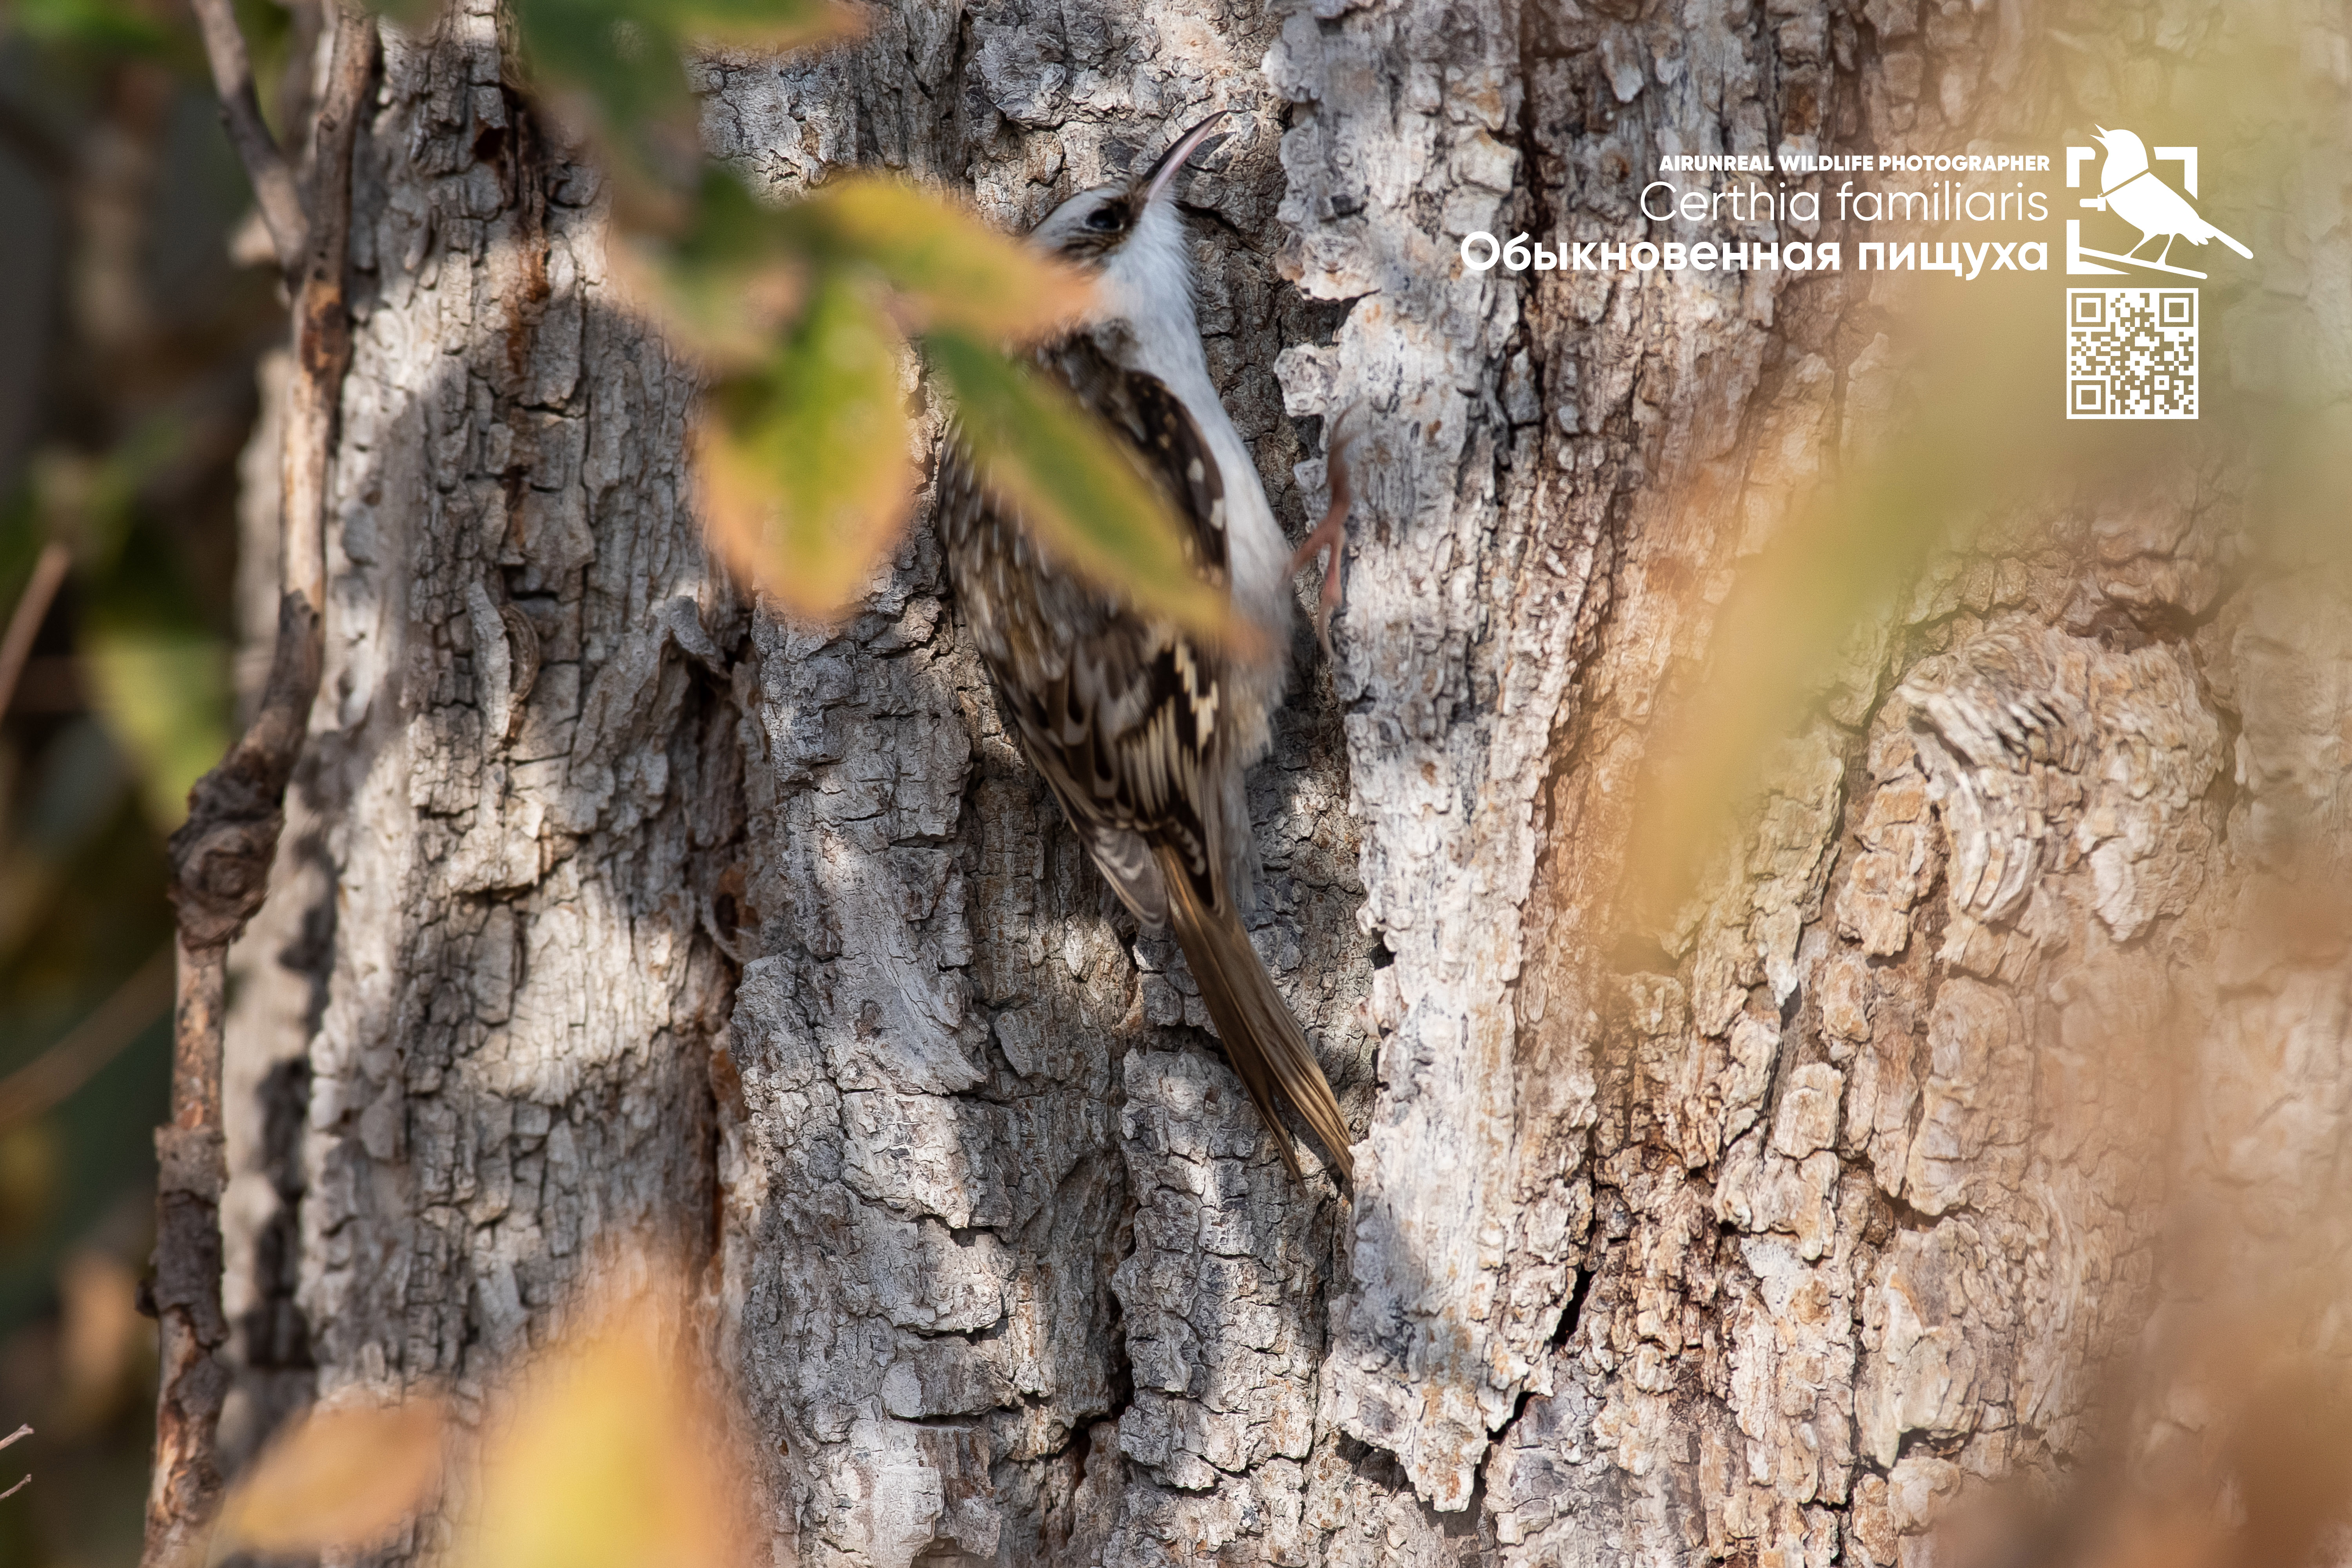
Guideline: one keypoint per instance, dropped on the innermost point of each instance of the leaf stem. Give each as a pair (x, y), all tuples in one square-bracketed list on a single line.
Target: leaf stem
[(20, 1486)]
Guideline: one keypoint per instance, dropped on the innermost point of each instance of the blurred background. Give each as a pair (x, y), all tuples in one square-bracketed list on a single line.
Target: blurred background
[(127, 345)]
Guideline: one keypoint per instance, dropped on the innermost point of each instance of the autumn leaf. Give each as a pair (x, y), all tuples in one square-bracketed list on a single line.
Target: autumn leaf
[(612, 1454), (608, 1449), (805, 471), (725, 286), (1090, 504), (954, 268), (337, 1480)]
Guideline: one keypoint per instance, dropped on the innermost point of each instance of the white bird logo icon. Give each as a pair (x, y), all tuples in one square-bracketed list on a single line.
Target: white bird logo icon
[(2132, 191)]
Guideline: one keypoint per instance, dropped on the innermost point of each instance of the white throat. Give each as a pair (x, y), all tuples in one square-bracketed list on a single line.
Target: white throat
[(1147, 289)]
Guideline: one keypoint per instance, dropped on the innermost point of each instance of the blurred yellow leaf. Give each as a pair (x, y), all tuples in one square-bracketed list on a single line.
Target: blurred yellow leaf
[(1091, 504), (805, 472), (1825, 546), (956, 270), (613, 1455), (729, 319), (342, 1478), (101, 1337), (163, 695), (724, 286)]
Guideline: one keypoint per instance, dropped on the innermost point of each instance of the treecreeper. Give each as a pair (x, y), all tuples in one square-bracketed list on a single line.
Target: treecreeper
[(1144, 730)]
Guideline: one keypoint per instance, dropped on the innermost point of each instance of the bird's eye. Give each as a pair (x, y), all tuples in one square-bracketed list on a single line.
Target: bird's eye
[(1108, 217)]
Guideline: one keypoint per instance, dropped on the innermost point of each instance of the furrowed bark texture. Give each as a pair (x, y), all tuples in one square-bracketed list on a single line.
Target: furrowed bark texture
[(1747, 1235), (500, 978)]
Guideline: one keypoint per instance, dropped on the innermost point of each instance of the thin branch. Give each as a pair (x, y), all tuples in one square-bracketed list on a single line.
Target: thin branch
[(20, 1486), (32, 609), (265, 165), (89, 1045), (221, 857)]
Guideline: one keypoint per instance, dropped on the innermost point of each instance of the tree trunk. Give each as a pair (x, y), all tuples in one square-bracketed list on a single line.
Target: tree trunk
[(1744, 1232)]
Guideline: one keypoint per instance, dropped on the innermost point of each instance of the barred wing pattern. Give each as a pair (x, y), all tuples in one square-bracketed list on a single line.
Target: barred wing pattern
[(1119, 711)]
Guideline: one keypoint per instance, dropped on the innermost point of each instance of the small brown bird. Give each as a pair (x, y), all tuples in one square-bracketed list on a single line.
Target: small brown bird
[(1144, 732)]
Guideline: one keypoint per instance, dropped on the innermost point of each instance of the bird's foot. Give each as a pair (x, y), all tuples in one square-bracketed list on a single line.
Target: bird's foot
[(1331, 534)]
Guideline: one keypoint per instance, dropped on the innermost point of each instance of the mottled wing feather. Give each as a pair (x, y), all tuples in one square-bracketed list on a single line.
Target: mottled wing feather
[(1118, 711), (1164, 433)]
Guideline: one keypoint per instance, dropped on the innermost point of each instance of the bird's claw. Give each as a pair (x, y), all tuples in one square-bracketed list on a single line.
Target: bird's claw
[(1331, 534)]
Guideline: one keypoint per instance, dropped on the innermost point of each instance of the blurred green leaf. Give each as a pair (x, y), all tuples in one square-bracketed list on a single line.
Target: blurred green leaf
[(164, 695), (806, 470), (617, 70), (956, 270), (1092, 505), (624, 56), (725, 285), (727, 280), (99, 27)]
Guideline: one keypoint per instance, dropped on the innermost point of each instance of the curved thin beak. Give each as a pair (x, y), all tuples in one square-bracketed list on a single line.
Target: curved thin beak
[(1179, 154)]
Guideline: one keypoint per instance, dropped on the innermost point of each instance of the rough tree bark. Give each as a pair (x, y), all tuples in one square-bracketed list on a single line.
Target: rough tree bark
[(609, 902)]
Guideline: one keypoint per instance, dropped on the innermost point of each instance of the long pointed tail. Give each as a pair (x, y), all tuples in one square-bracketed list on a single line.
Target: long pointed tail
[(2233, 244), (1263, 1042)]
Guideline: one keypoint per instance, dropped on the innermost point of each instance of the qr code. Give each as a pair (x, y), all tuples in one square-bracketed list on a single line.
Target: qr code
[(2131, 353)]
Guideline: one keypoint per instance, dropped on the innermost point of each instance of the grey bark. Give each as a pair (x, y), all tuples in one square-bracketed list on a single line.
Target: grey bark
[(1752, 1235)]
